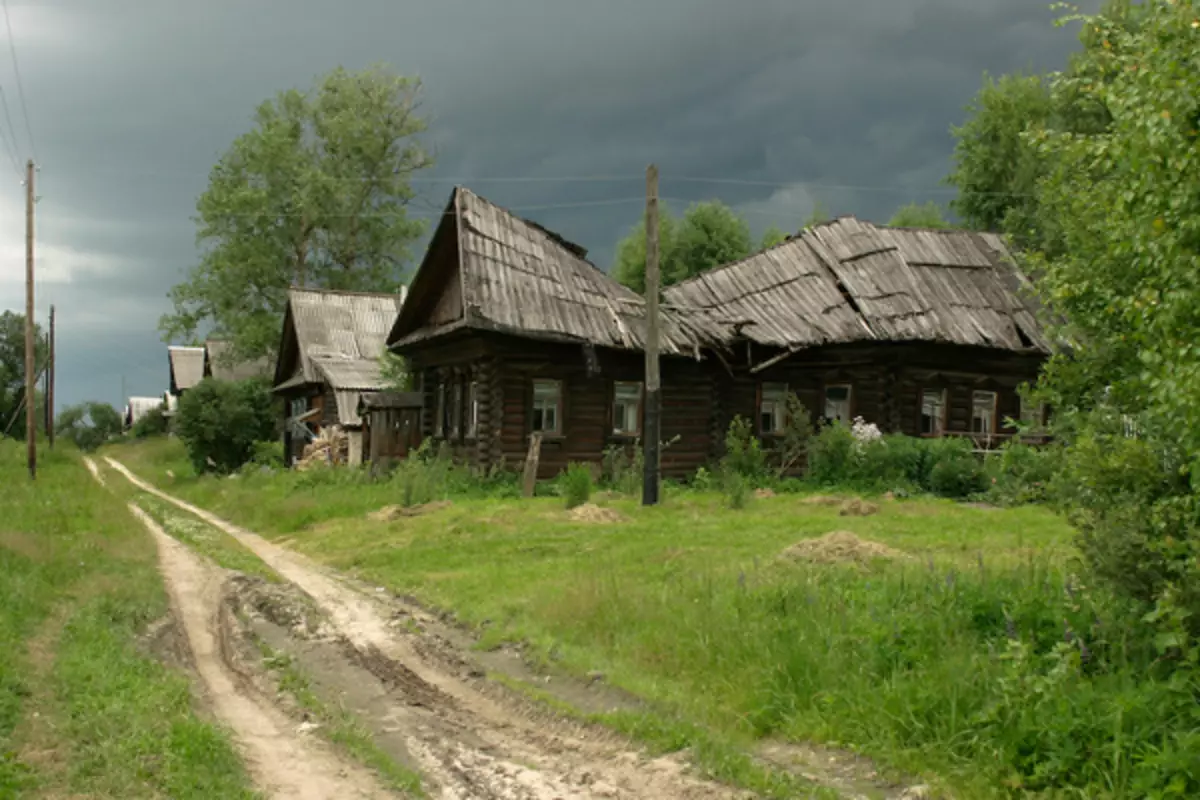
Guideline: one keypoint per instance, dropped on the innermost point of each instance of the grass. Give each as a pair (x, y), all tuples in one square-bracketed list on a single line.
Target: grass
[(84, 708), (338, 725), (951, 665)]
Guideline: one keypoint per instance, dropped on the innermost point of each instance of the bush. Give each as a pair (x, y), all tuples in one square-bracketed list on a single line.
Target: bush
[(1019, 474), (831, 456), (743, 452), (576, 485), (219, 423), (268, 454), (736, 488), (89, 425), (154, 423), (955, 470), (621, 468)]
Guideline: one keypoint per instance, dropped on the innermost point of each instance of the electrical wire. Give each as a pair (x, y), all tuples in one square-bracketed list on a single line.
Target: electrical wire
[(12, 47)]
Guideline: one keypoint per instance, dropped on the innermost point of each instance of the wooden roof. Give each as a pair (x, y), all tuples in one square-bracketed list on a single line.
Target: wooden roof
[(217, 363), (517, 277), (850, 280), (187, 367)]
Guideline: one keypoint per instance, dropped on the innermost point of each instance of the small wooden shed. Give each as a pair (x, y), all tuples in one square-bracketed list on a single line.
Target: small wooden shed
[(391, 425)]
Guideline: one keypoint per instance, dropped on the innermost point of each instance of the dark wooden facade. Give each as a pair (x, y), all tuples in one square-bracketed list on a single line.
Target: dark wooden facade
[(392, 425)]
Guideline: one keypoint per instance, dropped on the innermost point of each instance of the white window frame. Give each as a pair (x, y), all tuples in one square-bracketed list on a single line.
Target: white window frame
[(439, 410), (551, 399), (849, 401), (772, 403), (472, 409), (620, 405), (456, 410), (939, 426), (989, 415)]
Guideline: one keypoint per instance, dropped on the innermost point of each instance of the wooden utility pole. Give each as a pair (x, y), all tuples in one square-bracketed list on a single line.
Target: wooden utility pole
[(50, 385), (650, 436), (30, 342)]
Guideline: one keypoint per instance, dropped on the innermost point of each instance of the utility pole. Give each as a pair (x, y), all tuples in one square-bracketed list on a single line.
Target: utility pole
[(30, 342), (651, 435), (50, 385)]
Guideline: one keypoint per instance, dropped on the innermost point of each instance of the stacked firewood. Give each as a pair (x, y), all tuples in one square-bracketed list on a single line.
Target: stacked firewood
[(330, 447)]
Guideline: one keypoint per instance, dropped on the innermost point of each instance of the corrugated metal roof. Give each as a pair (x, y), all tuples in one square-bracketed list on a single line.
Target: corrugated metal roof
[(849, 280), (519, 278), (187, 367), (217, 351)]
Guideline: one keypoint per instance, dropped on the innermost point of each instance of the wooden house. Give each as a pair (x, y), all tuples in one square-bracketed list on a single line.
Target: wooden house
[(391, 425), (510, 330), (922, 332), (187, 368), (328, 357), (220, 365)]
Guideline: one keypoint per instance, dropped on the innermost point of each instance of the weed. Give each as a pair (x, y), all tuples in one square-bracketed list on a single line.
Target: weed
[(576, 485)]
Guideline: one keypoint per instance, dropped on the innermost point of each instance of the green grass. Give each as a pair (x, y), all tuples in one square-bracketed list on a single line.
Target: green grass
[(84, 709), (949, 665)]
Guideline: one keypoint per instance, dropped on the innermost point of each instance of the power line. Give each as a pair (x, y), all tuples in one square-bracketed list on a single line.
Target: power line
[(12, 47)]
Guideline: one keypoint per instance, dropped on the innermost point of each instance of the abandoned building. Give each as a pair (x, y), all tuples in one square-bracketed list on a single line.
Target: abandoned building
[(508, 330), (329, 355)]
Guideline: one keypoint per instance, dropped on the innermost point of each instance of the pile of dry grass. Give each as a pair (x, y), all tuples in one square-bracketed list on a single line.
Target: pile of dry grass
[(858, 508), (590, 512), (841, 547)]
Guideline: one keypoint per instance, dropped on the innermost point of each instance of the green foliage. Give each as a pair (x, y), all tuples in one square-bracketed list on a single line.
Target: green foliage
[(914, 215), (268, 454), (622, 467), (744, 455), (1020, 474), (12, 372), (792, 445), (831, 458), (576, 485), (88, 425), (819, 215), (736, 488), (315, 194), (709, 235), (395, 372), (956, 472), (771, 237), (155, 423), (220, 423)]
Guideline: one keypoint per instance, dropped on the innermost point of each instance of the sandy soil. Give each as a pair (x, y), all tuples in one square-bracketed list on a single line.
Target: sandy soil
[(470, 740)]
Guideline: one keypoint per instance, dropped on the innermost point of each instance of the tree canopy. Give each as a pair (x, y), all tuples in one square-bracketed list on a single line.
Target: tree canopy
[(12, 371), (919, 215), (88, 425), (315, 194)]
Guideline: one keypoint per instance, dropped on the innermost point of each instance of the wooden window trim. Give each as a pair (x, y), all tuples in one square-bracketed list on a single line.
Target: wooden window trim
[(456, 411), (641, 411), (471, 426), (850, 399), (759, 409), (560, 410), (995, 412), (439, 410), (945, 393)]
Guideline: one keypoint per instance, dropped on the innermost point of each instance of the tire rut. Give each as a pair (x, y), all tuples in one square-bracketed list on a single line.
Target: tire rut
[(470, 742)]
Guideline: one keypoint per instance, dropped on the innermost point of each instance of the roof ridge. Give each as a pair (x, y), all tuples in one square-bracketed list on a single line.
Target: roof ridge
[(344, 292)]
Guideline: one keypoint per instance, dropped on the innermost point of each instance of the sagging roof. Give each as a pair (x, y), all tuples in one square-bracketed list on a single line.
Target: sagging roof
[(849, 280), (187, 367), (217, 366), (517, 277), (339, 337)]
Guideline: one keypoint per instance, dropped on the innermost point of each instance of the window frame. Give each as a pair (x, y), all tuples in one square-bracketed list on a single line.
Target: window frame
[(558, 407), (779, 414), (943, 418), (849, 387), (615, 430), (439, 410), (995, 410), (471, 429), (456, 411)]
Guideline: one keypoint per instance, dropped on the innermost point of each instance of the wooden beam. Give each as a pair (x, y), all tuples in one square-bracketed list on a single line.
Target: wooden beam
[(529, 479)]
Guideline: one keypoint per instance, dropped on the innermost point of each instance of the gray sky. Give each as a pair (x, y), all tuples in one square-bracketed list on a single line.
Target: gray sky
[(131, 101)]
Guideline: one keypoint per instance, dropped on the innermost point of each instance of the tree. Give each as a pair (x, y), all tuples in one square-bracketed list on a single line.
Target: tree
[(88, 425), (12, 372), (220, 422), (709, 234), (914, 215), (772, 236), (153, 423), (819, 214), (315, 194), (1125, 199)]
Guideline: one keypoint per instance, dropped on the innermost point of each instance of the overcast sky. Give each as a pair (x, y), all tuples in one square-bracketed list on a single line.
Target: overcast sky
[(765, 104)]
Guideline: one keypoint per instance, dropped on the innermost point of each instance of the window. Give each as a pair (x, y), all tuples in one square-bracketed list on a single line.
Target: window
[(933, 412), (472, 410), (299, 406), (439, 410), (772, 405), (456, 409), (983, 412), (837, 402), (627, 408), (1032, 413), (547, 406)]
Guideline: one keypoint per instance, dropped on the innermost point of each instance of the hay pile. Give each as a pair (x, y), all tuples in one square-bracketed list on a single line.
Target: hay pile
[(590, 512), (858, 508), (841, 547), (330, 447)]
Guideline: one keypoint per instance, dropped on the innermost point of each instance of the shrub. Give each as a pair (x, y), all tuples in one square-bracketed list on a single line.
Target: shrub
[(1019, 474), (831, 455), (576, 485), (154, 423), (736, 488), (268, 454), (219, 423), (743, 452), (703, 480), (796, 435), (89, 425), (955, 471)]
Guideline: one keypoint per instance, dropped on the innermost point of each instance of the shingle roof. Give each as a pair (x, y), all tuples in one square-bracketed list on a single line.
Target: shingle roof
[(850, 280), (218, 349), (187, 367), (518, 277)]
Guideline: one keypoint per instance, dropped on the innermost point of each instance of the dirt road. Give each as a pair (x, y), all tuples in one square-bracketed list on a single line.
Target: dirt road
[(469, 741)]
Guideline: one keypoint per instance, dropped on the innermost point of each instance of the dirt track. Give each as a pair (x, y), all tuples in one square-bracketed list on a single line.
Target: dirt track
[(467, 740)]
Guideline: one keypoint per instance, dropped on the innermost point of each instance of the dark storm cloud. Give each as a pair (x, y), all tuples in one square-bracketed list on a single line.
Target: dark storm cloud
[(133, 101)]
